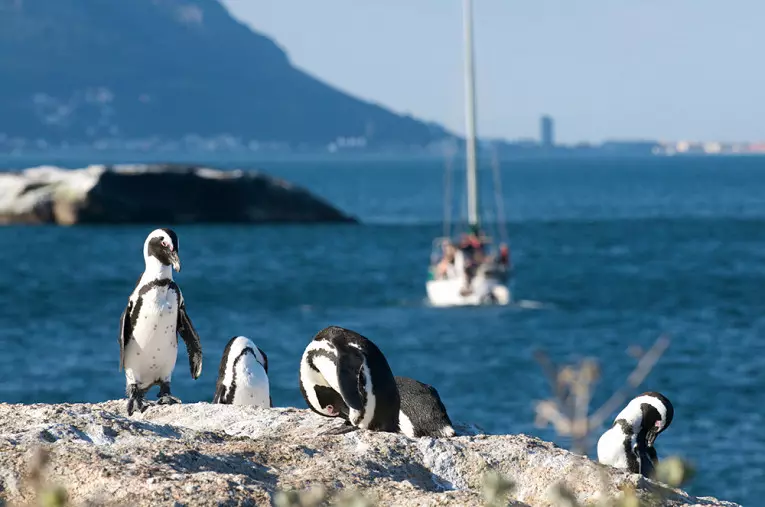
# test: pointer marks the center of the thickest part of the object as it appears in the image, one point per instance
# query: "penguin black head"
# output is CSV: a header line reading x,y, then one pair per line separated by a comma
x,y
648,414
240,346
331,401
657,414
162,245
236,348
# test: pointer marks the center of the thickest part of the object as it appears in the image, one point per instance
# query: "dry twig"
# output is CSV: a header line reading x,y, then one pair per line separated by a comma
x,y
569,409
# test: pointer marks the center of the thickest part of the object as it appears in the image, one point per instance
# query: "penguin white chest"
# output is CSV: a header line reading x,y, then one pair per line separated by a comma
x,y
613,448
151,354
251,383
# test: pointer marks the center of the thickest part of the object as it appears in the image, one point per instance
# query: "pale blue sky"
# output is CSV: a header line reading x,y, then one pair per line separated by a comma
x,y
663,69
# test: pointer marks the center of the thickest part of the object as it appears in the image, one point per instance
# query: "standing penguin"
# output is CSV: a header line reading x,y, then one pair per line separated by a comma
x,y
343,374
154,314
243,375
629,444
422,412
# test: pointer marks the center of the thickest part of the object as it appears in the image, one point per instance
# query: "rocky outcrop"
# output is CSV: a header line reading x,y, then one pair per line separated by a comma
x,y
204,454
167,194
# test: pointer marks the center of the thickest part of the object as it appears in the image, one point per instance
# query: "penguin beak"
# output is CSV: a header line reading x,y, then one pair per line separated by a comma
x,y
176,261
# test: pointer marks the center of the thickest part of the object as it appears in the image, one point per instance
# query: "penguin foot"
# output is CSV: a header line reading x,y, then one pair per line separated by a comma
x,y
136,400
168,399
340,430
165,398
139,404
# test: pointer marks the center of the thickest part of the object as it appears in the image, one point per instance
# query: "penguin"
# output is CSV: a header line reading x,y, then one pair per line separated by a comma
x,y
343,374
149,325
243,375
629,443
422,412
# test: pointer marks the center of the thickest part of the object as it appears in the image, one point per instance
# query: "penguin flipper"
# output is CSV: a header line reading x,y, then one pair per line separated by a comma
x,y
649,460
647,468
651,451
191,338
125,332
265,359
220,393
341,430
349,363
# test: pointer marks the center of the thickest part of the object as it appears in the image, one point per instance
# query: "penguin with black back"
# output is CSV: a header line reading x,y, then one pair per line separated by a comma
x,y
243,375
423,414
150,324
629,443
344,374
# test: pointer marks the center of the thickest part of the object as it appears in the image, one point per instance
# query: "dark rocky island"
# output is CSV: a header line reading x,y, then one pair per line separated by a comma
x,y
170,194
90,71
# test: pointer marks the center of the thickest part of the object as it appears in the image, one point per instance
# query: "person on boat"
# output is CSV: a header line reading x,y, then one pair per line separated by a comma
x,y
472,248
445,268
470,243
504,255
473,244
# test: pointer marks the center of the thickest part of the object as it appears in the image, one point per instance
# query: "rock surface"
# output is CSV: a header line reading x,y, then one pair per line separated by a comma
x,y
167,194
204,454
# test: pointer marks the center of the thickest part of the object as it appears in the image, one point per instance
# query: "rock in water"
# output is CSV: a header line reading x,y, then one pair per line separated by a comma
x,y
168,194
205,454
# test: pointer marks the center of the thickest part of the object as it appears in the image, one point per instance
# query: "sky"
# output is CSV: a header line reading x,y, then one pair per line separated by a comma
x,y
604,69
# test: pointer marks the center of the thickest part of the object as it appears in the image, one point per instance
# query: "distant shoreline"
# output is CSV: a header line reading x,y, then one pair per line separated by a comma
x,y
75,157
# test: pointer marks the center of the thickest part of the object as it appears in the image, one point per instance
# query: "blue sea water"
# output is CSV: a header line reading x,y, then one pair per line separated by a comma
x,y
616,251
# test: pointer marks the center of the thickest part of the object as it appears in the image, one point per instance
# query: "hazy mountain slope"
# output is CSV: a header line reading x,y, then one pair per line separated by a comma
x,y
78,70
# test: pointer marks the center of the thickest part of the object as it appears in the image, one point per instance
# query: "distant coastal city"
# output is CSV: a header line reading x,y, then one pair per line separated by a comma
x,y
544,146
138,106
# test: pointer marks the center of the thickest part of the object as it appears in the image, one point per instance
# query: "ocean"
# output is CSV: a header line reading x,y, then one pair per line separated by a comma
x,y
609,254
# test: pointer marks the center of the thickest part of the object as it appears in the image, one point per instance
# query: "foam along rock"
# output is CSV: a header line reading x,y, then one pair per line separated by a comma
x,y
205,454
169,194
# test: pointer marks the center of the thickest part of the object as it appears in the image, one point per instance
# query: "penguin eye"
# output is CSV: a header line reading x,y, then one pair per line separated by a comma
x,y
164,243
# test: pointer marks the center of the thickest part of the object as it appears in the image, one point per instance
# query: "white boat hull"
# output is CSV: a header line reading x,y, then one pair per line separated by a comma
x,y
485,291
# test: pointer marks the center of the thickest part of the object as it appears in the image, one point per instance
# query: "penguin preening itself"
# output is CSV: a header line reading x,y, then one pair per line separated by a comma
x,y
154,314
343,374
422,412
243,375
629,444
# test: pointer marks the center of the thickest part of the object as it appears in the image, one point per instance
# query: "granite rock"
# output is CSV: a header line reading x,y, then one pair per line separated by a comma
x,y
204,454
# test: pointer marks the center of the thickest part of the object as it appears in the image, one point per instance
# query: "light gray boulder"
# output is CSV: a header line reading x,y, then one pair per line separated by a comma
x,y
204,454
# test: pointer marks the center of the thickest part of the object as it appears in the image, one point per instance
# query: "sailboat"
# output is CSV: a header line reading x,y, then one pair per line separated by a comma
x,y
469,271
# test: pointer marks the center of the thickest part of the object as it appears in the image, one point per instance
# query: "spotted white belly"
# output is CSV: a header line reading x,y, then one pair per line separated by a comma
x,y
251,383
150,356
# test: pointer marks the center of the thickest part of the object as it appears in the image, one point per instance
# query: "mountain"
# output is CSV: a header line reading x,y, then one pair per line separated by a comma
x,y
80,70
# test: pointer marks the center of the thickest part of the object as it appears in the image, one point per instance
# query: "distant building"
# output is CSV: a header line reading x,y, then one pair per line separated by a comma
x,y
547,136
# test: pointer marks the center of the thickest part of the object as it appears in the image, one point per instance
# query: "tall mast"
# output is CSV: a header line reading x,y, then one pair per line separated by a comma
x,y
472,176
